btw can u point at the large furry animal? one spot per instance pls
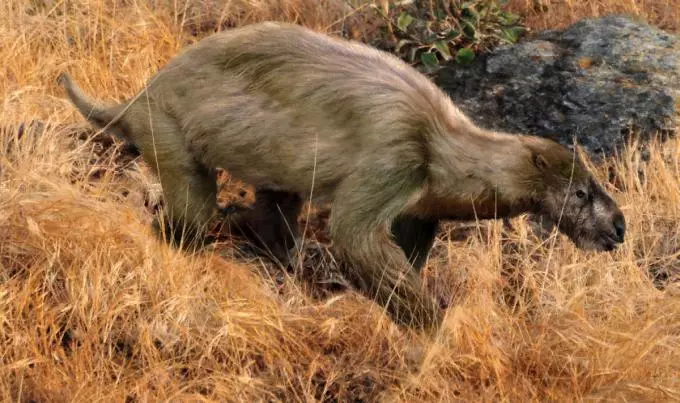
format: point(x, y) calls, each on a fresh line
point(301, 115)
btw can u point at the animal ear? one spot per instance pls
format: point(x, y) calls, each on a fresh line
point(539, 161)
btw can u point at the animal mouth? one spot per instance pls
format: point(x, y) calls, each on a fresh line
point(600, 241)
point(608, 242)
point(603, 242)
point(609, 247)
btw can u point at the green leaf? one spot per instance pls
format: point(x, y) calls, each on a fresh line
point(404, 21)
point(429, 59)
point(469, 13)
point(443, 49)
point(403, 43)
point(469, 29)
point(451, 35)
point(511, 34)
point(465, 56)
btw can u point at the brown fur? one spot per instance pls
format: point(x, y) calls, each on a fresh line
point(299, 114)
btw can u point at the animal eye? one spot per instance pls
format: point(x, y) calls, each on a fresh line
point(580, 194)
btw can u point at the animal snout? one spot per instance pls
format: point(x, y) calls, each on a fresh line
point(619, 230)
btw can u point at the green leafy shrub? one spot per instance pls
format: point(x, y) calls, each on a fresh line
point(428, 33)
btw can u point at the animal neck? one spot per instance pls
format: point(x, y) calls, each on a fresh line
point(478, 174)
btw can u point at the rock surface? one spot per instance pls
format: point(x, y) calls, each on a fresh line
point(594, 81)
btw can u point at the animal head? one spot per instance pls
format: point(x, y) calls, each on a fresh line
point(568, 196)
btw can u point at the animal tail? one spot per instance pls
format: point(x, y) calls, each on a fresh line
point(107, 118)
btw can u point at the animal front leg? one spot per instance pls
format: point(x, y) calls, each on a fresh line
point(378, 267)
point(365, 206)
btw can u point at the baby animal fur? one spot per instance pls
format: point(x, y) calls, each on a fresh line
point(300, 115)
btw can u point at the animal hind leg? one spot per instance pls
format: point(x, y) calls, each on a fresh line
point(189, 195)
point(189, 188)
point(271, 225)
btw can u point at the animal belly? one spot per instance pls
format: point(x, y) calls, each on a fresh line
point(302, 169)
point(265, 142)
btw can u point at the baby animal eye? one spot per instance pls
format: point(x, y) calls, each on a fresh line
point(580, 194)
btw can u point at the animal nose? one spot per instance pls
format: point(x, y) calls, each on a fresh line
point(619, 228)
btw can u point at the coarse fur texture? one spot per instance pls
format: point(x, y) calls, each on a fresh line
point(300, 115)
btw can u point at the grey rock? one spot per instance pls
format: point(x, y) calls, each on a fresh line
point(594, 82)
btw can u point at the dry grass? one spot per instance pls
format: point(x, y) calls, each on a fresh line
point(549, 14)
point(93, 308)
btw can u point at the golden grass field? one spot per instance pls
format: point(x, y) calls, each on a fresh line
point(93, 308)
